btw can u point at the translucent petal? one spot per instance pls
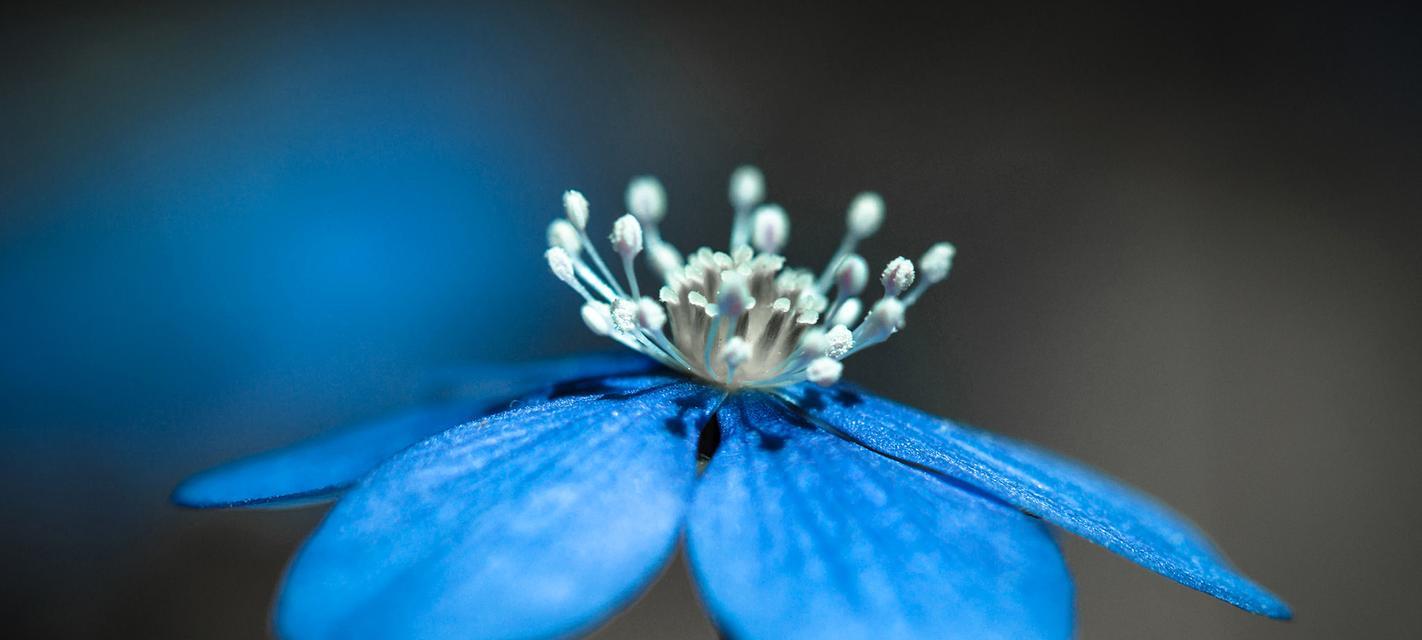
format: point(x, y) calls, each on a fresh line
point(798, 533)
point(1060, 491)
point(536, 522)
point(319, 468)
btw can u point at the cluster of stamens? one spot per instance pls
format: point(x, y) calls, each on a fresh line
point(739, 319)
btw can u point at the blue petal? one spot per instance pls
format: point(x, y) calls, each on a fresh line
point(321, 467)
point(797, 533)
point(1062, 492)
point(539, 521)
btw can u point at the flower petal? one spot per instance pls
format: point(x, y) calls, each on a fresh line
point(320, 468)
point(797, 533)
point(539, 521)
point(1060, 491)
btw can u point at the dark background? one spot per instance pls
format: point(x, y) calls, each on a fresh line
point(1187, 255)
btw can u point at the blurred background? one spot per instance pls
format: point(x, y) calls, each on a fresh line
point(1187, 255)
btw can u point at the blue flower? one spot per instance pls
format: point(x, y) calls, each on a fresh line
point(548, 496)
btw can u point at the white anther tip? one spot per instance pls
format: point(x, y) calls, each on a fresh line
point(562, 234)
point(937, 261)
point(747, 186)
point(576, 208)
point(824, 371)
point(733, 298)
point(814, 344)
point(735, 352)
point(646, 199)
point(866, 213)
point(650, 315)
point(898, 276)
point(770, 228)
point(852, 275)
point(624, 315)
point(838, 342)
point(626, 236)
point(847, 313)
point(561, 264)
point(886, 317)
point(598, 317)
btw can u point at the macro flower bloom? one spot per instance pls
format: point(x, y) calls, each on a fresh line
point(551, 493)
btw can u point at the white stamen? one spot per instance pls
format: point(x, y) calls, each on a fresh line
point(646, 199)
point(824, 371)
point(847, 313)
point(624, 315)
point(851, 276)
point(898, 276)
point(935, 265)
point(576, 208)
point(747, 187)
point(814, 344)
point(562, 234)
point(735, 352)
point(866, 213)
point(734, 298)
point(627, 242)
point(598, 317)
point(738, 318)
point(747, 190)
point(936, 262)
point(838, 342)
point(561, 264)
point(770, 228)
point(650, 315)
point(626, 236)
point(884, 319)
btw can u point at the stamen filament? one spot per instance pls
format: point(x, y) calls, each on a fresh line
point(591, 250)
point(627, 266)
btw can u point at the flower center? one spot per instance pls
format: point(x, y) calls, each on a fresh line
point(737, 319)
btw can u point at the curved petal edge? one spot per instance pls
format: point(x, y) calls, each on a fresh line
point(1060, 491)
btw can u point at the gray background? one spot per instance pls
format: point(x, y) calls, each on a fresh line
point(1187, 256)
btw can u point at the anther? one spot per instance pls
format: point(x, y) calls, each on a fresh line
point(562, 265)
point(747, 190)
point(561, 233)
point(814, 344)
point(770, 228)
point(733, 298)
point(851, 276)
point(650, 315)
point(897, 277)
point(884, 319)
point(735, 352)
point(838, 342)
point(824, 371)
point(936, 262)
point(646, 199)
point(598, 317)
point(866, 213)
point(576, 207)
point(935, 265)
point(626, 236)
point(847, 313)
point(627, 242)
point(624, 315)
point(747, 187)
